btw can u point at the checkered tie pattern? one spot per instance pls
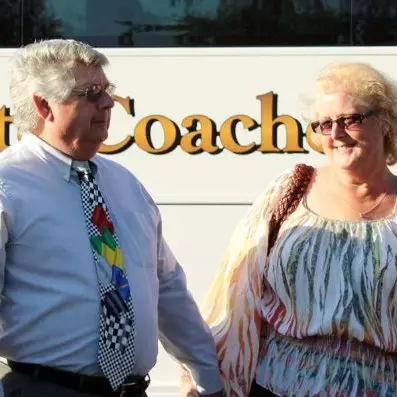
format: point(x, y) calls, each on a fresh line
point(116, 347)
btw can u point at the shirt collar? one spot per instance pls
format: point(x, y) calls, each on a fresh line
point(61, 161)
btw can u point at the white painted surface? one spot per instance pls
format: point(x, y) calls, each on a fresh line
point(203, 196)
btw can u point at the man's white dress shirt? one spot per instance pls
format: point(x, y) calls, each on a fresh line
point(49, 309)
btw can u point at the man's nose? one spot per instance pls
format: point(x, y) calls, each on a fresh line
point(106, 101)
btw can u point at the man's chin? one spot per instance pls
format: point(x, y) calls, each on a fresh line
point(105, 135)
point(100, 138)
point(90, 149)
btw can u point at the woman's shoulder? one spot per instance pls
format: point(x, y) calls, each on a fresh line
point(298, 175)
point(294, 180)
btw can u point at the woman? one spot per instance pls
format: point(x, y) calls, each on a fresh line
point(317, 316)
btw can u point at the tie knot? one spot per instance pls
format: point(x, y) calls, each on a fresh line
point(83, 169)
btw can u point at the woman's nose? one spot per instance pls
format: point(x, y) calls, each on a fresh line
point(338, 130)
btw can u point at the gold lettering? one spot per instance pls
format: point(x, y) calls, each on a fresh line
point(201, 132)
point(228, 134)
point(206, 135)
point(143, 136)
point(313, 140)
point(5, 121)
point(128, 105)
point(269, 123)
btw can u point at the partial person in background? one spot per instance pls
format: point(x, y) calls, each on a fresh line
point(86, 277)
point(316, 315)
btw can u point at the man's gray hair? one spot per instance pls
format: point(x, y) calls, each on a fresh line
point(46, 68)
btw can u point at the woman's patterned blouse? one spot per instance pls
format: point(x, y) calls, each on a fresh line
point(318, 316)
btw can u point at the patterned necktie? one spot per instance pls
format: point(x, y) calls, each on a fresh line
point(116, 348)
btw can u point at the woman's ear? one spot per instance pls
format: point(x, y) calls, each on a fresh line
point(42, 107)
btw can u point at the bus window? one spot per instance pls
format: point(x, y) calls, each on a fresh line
point(374, 22)
point(201, 23)
point(10, 22)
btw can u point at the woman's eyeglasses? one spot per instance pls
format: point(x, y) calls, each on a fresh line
point(94, 92)
point(349, 122)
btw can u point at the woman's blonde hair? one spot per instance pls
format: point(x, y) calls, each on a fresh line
point(367, 87)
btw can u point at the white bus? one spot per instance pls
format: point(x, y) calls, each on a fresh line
point(209, 100)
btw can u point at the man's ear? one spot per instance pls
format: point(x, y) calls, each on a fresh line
point(42, 107)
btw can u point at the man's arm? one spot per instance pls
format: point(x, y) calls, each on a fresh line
point(188, 389)
point(183, 332)
point(3, 242)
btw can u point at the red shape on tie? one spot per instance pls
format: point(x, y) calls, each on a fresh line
point(100, 219)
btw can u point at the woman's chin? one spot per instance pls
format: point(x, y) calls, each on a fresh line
point(348, 163)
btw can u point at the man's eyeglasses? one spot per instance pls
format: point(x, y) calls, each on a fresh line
point(349, 122)
point(94, 92)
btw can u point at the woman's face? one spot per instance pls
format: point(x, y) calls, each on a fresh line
point(355, 143)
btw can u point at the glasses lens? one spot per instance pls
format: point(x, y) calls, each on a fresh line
point(94, 93)
point(352, 121)
point(326, 127)
point(110, 89)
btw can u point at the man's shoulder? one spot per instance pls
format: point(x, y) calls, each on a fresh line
point(106, 165)
point(113, 171)
point(14, 155)
point(9, 151)
point(128, 186)
point(15, 167)
point(102, 161)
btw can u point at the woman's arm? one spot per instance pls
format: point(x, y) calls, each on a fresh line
point(233, 305)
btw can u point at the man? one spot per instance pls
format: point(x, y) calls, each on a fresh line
point(85, 274)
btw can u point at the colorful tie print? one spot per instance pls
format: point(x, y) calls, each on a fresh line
point(116, 348)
